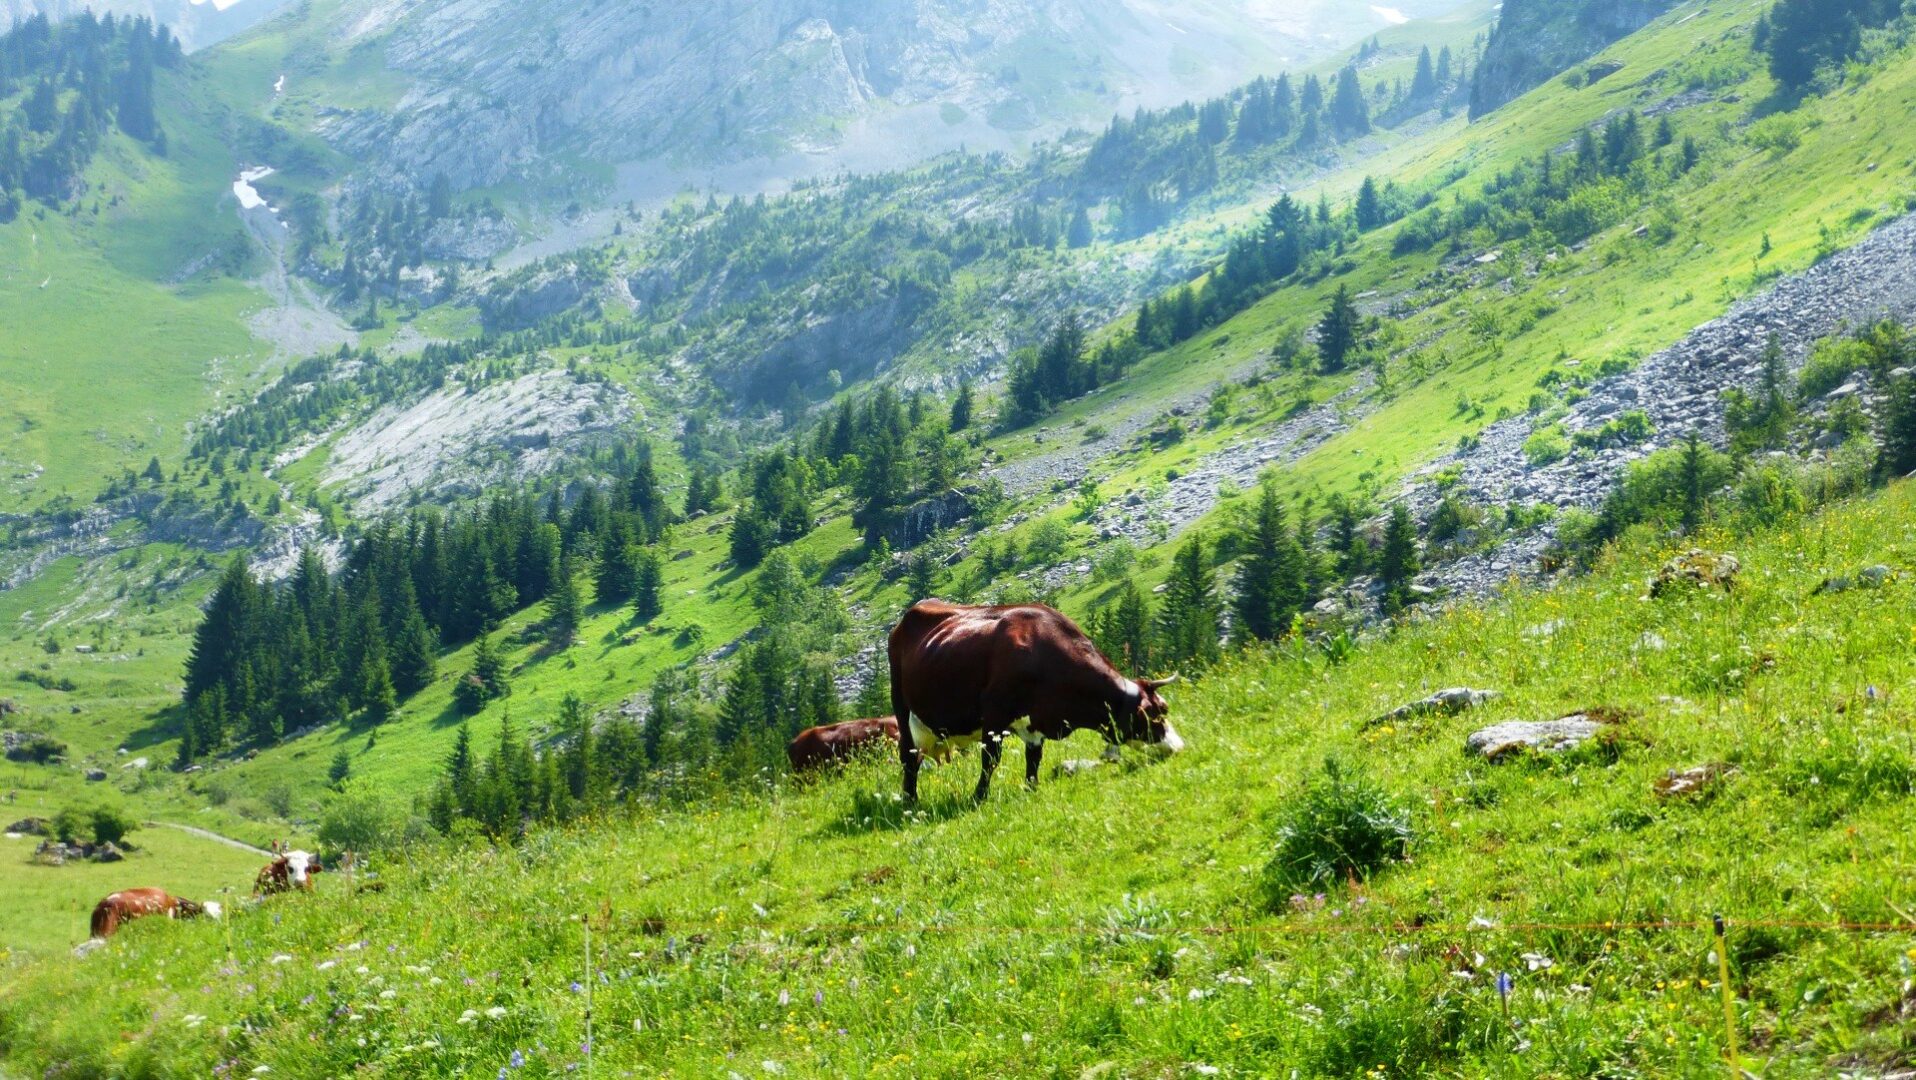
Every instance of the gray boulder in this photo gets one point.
(94, 776)
(1446, 702)
(1532, 736)
(1693, 781)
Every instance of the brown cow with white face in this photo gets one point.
(291, 870)
(976, 674)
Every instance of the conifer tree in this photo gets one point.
(1337, 331)
(1370, 206)
(1188, 617)
(961, 406)
(1349, 114)
(415, 661)
(1397, 564)
(1423, 85)
(1078, 234)
(617, 573)
(562, 608)
(647, 595)
(1271, 579)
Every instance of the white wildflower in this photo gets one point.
(497, 1012)
(280, 958)
(326, 965)
(388, 995)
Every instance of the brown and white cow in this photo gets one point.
(129, 904)
(976, 674)
(291, 870)
(829, 744)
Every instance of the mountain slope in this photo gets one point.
(1136, 929)
(1536, 39)
(196, 23)
(488, 99)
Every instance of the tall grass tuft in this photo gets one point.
(1341, 826)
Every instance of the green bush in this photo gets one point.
(110, 824)
(1546, 445)
(1829, 366)
(1339, 827)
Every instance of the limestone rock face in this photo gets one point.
(492, 90)
(1536, 39)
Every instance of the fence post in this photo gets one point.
(1729, 998)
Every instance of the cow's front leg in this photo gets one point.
(1034, 757)
(992, 749)
(910, 757)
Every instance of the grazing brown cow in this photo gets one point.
(966, 674)
(292, 870)
(828, 744)
(129, 904)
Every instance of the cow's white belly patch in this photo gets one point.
(929, 745)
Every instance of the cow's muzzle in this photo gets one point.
(1170, 744)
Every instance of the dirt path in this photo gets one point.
(206, 834)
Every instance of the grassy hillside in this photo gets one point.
(48, 906)
(1467, 343)
(1125, 921)
(123, 323)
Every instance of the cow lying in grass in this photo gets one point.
(977, 674)
(291, 870)
(831, 744)
(129, 904)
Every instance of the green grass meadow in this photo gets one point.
(1122, 921)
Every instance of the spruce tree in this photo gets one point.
(1896, 430)
(648, 592)
(1397, 564)
(617, 573)
(1370, 206)
(415, 660)
(1188, 617)
(1271, 579)
(562, 608)
(922, 574)
(1423, 85)
(1337, 331)
(1349, 114)
(1079, 234)
(377, 698)
(961, 407)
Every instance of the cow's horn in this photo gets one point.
(1153, 684)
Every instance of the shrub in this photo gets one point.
(364, 817)
(1830, 366)
(1545, 445)
(110, 824)
(38, 749)
(1339, 827)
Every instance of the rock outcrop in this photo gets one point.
(1534, 40)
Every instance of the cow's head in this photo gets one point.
(1147, 726)
(300, 866)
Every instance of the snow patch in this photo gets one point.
(248, 195)
(1390, 15)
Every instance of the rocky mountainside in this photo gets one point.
(495, 89)
(197, 23)
(1536, 39)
